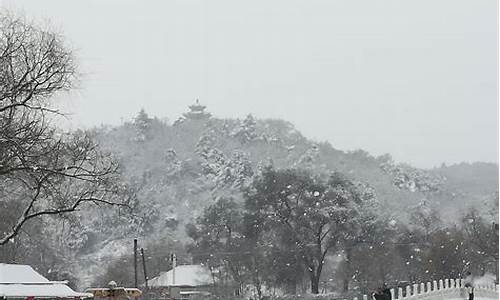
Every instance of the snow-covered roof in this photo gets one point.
(22, 281)
(54, 290)
(185, 275)
(10, 273)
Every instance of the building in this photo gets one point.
(22, 282)
(187, 280)
(113, 292)
(197, 112)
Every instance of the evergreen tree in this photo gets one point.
(142, 124)
(246, 133)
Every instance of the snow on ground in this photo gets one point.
(487, 279)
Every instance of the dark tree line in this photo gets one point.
(292, 223)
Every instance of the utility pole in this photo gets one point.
(135, 263)
(144, 268)
(174, 263)
(495, 236)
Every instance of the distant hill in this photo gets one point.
(182, 167)
(467, 185)
(473, 178)
(178, 169)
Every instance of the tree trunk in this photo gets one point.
(256, 279)
(314, 283)
(315, 271)
(291, 288)
(496, 270)
(345, 285)
(345, 282)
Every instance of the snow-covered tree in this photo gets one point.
(483, 237)
(425, 218)
(231, 172)
(412, 179)
(219, 241)
(314, 215)
(246, 132)
(308, 159)
(142, 124)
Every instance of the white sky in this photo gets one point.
(417, 79)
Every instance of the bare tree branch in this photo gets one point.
(42, 170)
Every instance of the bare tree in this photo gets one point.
(43, 170)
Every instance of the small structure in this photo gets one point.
(114, 292)
(183, 281)
(197, 112)
(21, 281)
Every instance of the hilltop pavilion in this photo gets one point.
(197, 112)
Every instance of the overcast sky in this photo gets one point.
(417, 79)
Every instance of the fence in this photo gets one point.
(442, 289)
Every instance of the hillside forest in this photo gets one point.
(262, 206)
